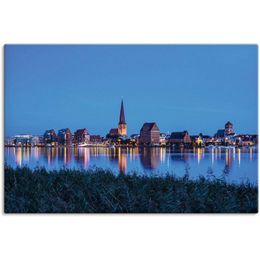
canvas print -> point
(130, 128)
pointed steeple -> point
(122, 114)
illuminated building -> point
(225, 135)
(65, 137)
(50, 137)
(122, 128)
(229, 128)
(22, 140)
(37, 140)
(81, 136)
(163, 138)
(96, 139)
(9, 141)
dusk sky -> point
(180, 87)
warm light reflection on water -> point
(237, 163)
(239, 156)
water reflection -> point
(229, 158)
(200, 154)
(150, 158)
(18, 156)
(122, 161)
(81, 156)
(50, 155)
(236, 160)
(182, 155)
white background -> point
(128, 236)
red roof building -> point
(150, 134)
(81, 136)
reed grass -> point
(102, 191)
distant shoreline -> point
(130, 146)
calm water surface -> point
(235, 164)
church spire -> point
(122, 114)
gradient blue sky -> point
(193, 87)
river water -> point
(234, 164)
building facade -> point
(113, 133)
(65, 137)
(150, 134)
(81, 136)
(50, 137)
(163, 138)
(37, 140)
(22, 140)
(96, 139)
(229, 128)
(180, 138)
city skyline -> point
(76, 86)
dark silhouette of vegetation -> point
(102, 191)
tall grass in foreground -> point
(101, 191)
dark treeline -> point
(102, 191)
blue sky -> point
(193, 87)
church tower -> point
(229, 128)
(122, 124)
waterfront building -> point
(201, 139)
(22, 140)
(134, 139)
(254, 138)
(121, 130)
(122, 127)
(220, 134)
(81, 136)
(37, 140)
(95, 139)
(246, 139)
(150, 134)
(113, 133)
(65, 137)
(50, 137)
(135, 136)
(226, 132)
(163, 138)
(180, 138)
(9, 141)
(197, 139)
(229, 129)
(207, 139)
(226, 135)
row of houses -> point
(63, 137)
(66, 138)
(149, 135)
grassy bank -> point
(101, 191)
